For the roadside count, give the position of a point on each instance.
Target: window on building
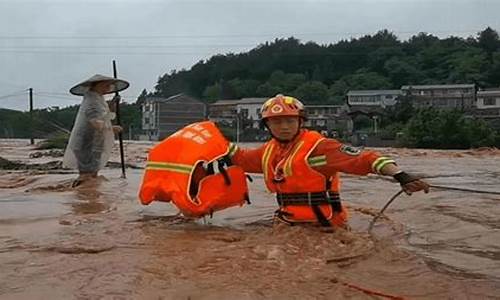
(146, 120)
(489, 101)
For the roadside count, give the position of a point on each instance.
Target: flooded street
(99, 242)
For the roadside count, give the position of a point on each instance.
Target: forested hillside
(323, 73)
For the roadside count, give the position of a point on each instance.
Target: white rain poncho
(89, 147)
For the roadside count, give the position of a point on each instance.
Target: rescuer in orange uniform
(301, 166)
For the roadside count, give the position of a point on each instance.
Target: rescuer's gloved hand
(410, 183)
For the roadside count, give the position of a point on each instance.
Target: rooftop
(438, 86)
(162, 99)
(241, 101)
(492, 91)
(373, 92)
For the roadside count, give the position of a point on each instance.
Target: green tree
(379, 57)
(419, 42)
(212, 93)
(361, 80)
(401, 71)
(287, 82)
(467, 66)
(488, 40)
(243, 88)
(131, 118)
(142, 97)
(268, 90)
(430, 128)
(285, 64)
(313, 92)
(492, 73)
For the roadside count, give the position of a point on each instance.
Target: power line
(63, 96)
(23, 49)
(58, 97)
(175, 53)
(105, 53)
(146, 37)
(53, 93)
(13, 95)
(128, 46)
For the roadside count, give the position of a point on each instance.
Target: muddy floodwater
(97, 241)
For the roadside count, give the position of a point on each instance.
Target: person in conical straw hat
(92, 137)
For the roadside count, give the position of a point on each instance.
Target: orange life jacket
(304, 195)
(186, 158)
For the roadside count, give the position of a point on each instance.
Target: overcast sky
(52, 45)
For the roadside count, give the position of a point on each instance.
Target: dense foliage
(322, 74)
(430, 128)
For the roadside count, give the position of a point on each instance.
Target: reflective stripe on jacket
(181, 170)
(293, 175)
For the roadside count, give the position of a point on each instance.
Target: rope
(372, 223)
(462, 189)
(368, 291)
(382, 210)
(432, 186)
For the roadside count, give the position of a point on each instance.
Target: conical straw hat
(116, 85)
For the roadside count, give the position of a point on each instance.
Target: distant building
(163, 116)
(488, 105)
(488, 99)
(328, 117)
(249, 109)
(322, 111)
(372, 98)
(226, 110)
(448, 96)
(325, 117)
(222, 111)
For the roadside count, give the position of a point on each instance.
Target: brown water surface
(97, 242)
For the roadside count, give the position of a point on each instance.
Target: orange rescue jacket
(181, 169)
(304, 194)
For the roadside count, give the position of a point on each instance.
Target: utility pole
(120, 136)
(237, 127)
(32, 140)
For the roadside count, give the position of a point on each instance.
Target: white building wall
(481, 101)
(149, 115)
(380, 98)
(253, 110)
